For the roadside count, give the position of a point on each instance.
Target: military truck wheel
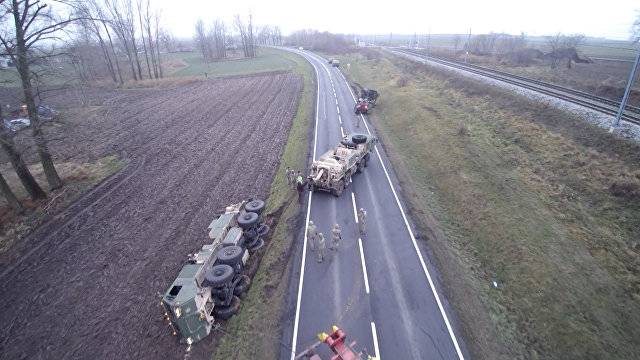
(230, 255)
(247, 220)
(359, 138)
(242, 286)
(361, 166)
(366, 159)
(219, 275)
(255, 206)
(226, 312)
(339, 188)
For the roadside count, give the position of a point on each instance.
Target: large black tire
(366, 159)
(219, 275)
(361, 166)
(255, 206)
(247, 220)
(230, 255)
(242, 286)
(357, 111)
(226, 312)
(359, 138)
(338, 190)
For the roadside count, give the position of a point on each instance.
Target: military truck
(333, 170)
(210, 285)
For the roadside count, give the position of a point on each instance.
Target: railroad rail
(593, 102)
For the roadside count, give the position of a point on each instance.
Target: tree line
(34, 35)
(215, 40)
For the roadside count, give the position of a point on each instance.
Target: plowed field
(84, 285)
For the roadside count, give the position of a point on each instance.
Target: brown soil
(86, 283)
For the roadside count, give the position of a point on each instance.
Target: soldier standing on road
(320, 247)
(336, 237)
(362, 220)
(312, 233)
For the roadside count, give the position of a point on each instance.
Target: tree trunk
(25, 76)
(113, 50)
(30, 184)
(12, 200)
(144, 44)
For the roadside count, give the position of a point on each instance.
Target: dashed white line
(355, 211)
(413, 240)
(364, 267)
(374, 333)
(341, 131)
(340, 119)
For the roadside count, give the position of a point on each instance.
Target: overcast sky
(610, 19)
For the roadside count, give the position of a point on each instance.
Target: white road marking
(341, 131)
(338, 109)
(374, 333)
(336, 101)
(364, 267)
(340, 119)
(296, 322)
(413, 240)
(355, 211)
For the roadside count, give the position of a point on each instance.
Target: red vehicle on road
(336, 342)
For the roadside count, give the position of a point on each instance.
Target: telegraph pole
(466, 51)
(428, 41)
(627, 90)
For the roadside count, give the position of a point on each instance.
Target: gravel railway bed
(85, 284)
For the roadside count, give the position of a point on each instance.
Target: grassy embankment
(254, 332)
(516, 192)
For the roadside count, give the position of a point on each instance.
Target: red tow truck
(336, 341)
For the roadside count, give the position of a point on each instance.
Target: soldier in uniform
(312, 233)
(320, 247)
(336, 237)
(289, 177)
(362, 220)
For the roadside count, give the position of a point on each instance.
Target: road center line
(355, 209)
(413, 240)
(364, 267)
(341, 131)
(374, 333)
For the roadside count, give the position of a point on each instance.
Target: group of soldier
(294, 178)
(317, 240)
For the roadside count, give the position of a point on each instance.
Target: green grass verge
(519, 193)
(254, 332)
(267, 60)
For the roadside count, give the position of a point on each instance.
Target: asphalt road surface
(380, 287)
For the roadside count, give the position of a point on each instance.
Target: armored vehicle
(333, 170)
(210, 285)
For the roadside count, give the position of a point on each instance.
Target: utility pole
(428, 41)
(466, 50)
(627, 90)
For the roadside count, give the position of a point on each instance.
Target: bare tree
(456, 42)
(202, 40)
(157, 43)
(34, 24)
(564, 48)
(121, 24)
(220, 38)
(246, 35)
(11, 198)
(142, 27)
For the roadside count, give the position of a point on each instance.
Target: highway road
(380, 288)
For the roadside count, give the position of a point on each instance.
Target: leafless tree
(246, 35)
(157, 43)
(121, 22)
(220, 38)
(34, 25)
(564, 48)
(456, 42)
(140, 4)
(202, 40)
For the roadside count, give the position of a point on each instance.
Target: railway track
(597, 103)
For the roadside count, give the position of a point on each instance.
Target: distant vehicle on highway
(300, 48)
(334, 62)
